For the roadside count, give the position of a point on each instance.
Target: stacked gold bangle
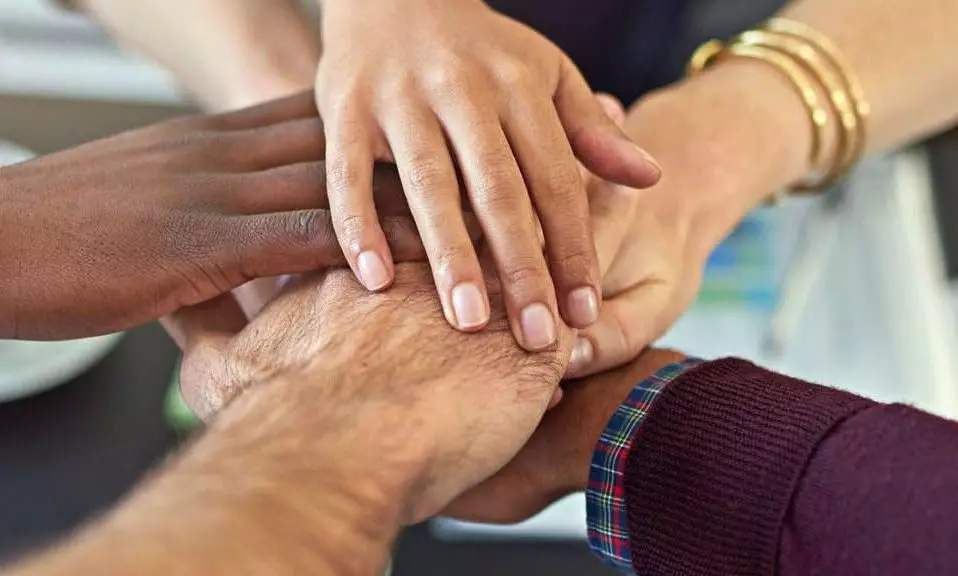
(813, 65)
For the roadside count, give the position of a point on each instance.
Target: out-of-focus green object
(178, 414)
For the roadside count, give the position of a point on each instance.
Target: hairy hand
(384, 372)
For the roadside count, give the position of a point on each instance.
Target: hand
(719, 138)
(122, 231)
(556, 460)
(402, 390)
(226, 54)
(440, 85)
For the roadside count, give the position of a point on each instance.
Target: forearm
(775, 472)
(902, 52)
(747, 131)
(276, 485)
(226, 53)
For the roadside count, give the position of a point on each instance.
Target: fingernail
(581, 355)
(643, 155)
(538, 327)
(469, 305)
(372, 270)
(583, 307)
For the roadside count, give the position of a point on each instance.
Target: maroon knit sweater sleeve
(741, 471)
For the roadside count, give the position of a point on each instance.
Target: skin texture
(725, 140)
(555, 462)
(119, 232)
(315, 467)
(729, 138)
(453, 91)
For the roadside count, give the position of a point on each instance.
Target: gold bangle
(849, 140)
(828, 48)
(795, 73)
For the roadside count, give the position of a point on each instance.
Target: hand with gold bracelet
(730, 137)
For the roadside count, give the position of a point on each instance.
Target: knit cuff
(713, 468)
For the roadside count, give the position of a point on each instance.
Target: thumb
(203, 332)
(597, 140)
(627, 324)
(612, 108)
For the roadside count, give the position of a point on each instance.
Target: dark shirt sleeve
(738, 470)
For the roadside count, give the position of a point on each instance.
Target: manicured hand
(453, 91)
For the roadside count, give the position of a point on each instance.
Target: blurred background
(852, 288)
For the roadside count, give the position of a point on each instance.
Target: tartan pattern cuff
(608, 523)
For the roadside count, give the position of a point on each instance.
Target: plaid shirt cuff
(608, 522)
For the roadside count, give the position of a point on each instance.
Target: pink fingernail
(582, 355)
(469, 306)
(583, 307)
(372, 271)
(644, 156)
(538, 327)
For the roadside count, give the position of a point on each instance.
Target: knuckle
(305, 227)
(562, 182)
(344, 176)
(455, 258)
(351, 227)
(450, 78)
(513, 73)
(426, 174)
(497, 191)
(578, 262)
(524, 270)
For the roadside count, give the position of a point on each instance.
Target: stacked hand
(122, 231)
(429, 408)
(453, 91)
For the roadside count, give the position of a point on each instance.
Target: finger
(611, 207)
(611, 210)
(275, 145)
(556, 398)
(303, 186)
(628, 323)
(349, 172)
(558, 193)
(501, 203)
(432, 190)
(203, 332)
(596, 139)
(299, 241)
(612, 108)
(302, 105)
(210, 321)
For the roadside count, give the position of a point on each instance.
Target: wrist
(726, 140)
(596, 400)
(295, 470)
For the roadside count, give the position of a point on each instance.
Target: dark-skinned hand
(122, 231)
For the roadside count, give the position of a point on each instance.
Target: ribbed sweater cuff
(713, 468)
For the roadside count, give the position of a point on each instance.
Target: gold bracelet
(711, 52)
(849, 137)
(853, 86)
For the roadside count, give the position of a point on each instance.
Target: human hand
(719, 138)
(458, 412)
(226, 54)
(556, 460)
(124, 230)
(440, 86)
